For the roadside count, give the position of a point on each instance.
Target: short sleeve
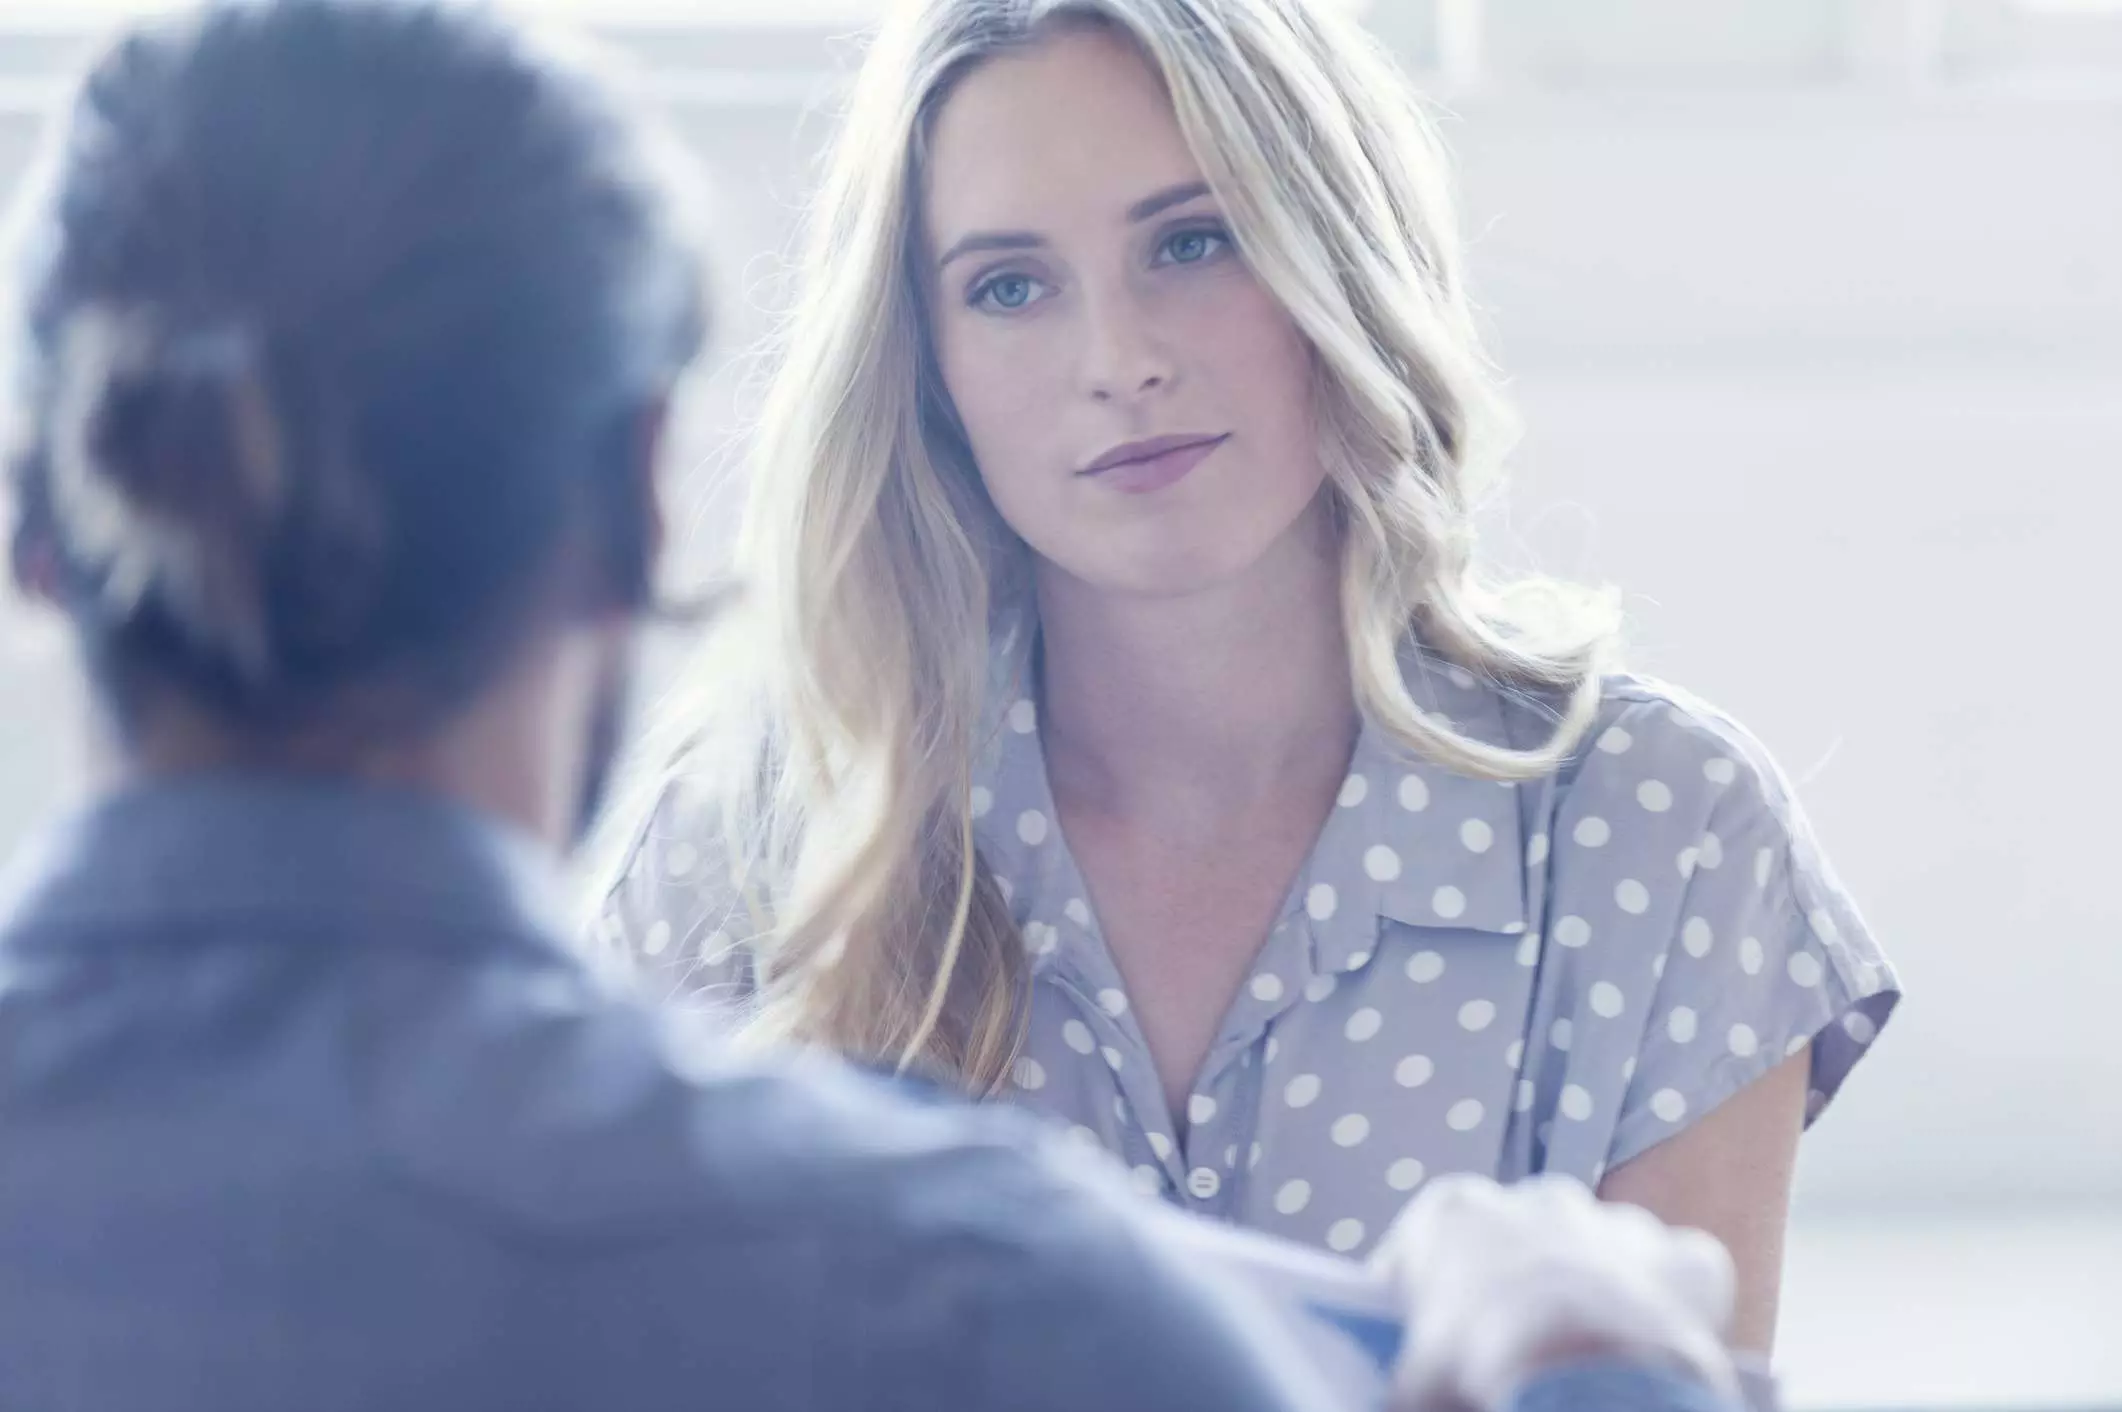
(1765, 955)
(678, 917)
(1693, 939)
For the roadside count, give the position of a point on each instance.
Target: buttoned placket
(1200, 1157)
(1320, 934)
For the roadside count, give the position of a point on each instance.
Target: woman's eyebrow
(985, 240)
(1155, 204)
(1164, 200)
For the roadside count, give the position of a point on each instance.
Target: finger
(1451, 1209)
(1700, 1273)
(1635, 1236)
(1639, 1222)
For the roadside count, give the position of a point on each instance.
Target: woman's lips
(1147, 466)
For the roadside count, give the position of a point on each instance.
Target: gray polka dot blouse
(1466, 977)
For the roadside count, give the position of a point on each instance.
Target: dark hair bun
(342, 322)
(169, 477)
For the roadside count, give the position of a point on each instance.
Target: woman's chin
(1160, 572)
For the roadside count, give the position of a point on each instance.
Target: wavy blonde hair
(836, 725)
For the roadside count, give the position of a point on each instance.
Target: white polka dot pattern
(1350, 1130)
(1470, 977)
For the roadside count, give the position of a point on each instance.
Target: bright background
(1814, 310)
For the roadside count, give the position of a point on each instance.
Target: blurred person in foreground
(348, 335)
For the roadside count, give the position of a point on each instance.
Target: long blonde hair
(835, 727)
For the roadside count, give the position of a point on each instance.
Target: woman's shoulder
(1661, 750)
(1698, 932)
(674, 905)
(1664, 786)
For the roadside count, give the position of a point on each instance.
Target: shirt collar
(1408, 842)
(406, 866)
(1413, 843)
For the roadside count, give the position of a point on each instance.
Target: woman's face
(1139, 405)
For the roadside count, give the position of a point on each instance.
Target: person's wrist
(1553, 1332)
(1617, 1386)
(1576, 1358)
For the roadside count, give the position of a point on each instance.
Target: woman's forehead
(1075, 127)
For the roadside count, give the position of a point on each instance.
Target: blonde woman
(1121, 724)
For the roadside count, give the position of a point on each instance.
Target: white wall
(1834, 387)
(1830, 378)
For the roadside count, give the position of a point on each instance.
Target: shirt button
(1204, 1183)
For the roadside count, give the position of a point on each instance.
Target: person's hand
(1507, 1283)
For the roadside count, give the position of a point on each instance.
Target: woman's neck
(1206, 701)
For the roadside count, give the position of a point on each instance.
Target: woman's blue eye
(1190, 247)
(1006, 292)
